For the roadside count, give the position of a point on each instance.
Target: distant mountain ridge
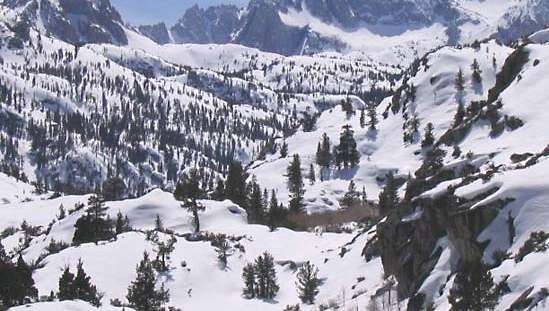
(263, 24)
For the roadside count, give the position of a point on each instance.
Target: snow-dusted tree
(163, 250)
(429, 138)
(235, 184)
(266, 282)
(94, 226)
(295, 185)
(460, 81)
(122, 224)
(312, 177)
(473, 288)
(477, 78)
(324, 155)
(142, 293)
(284, 149)
(255, 207)
(388, 197)
(248, 275)
(372, 115)
(223, 249)
(16, 283)
(346, 152)
(188, 191)
(351, 196)
(307, 283)
(79, 287)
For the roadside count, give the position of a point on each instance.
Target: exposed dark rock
(74, 21)
(158, 33)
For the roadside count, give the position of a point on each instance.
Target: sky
(142, 12)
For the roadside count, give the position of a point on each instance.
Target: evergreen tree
(189, 192)
(255, 203)
(266, 282)
(362, 118)
(307, 283)
(284, 150)
(94, 226)
(372, 115)
(388, 197)
(277, 213)
(477, 78)
(142, 293)
(83, 289)
(346, 152)
(351, 196)
(158, 224)
(248, 275)
(235, 184)
(222, 248)
(473, 289)
(66, 286)
(122, 224)
(324, 155)
(163, 250)
(460, 115)
(460, 81)
(62, 213)
(16, 283)
(295, 185)
(429, 138)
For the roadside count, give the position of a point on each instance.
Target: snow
(65, 306)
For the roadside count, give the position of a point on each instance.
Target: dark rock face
(265, 30)
(214, 25)
(75, 21)
(158, 33)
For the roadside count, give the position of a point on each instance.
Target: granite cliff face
(75, 21)
(213, 25)
(262, 24)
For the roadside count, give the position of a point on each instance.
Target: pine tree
(83, 289)
(277, 213)
(477, 78)
(372, 115)
(22, 287)
(266, 282)
(362, 118)
(188, 191)
(3, 255)
(429, 138)
(122, 224)
(460, 115)
(66, 286)
(62, 213)
(284, 150)
(158, 224)
(142, 293)
(460, 81)
(346, 152)
(295, 185)
(324, 155)
(255, 203)
(248, 275)
(222, 248)
(351, 196)
(94, 226)
(473, 289)
(235, 184)
(388, 197)
(163, 250)
(307, 283)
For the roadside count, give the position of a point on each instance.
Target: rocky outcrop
(158, 33)
(74, 21)
(217, 24)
